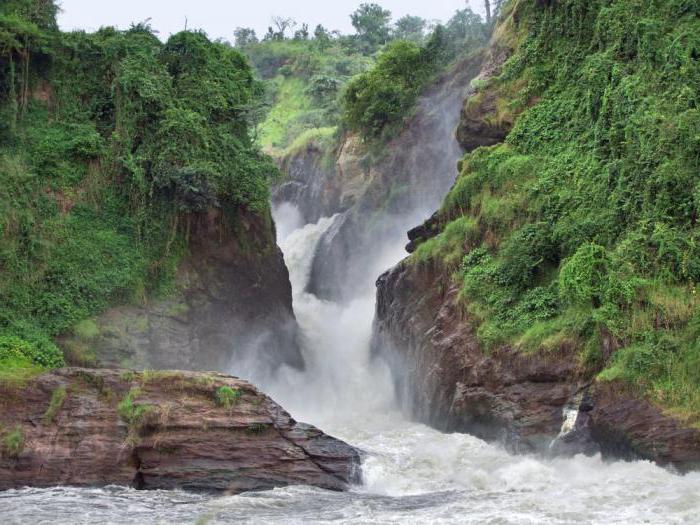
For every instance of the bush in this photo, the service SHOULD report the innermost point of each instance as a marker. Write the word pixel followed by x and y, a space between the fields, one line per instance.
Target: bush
pixel 13 443
pixel 226 397
pixel 584 277
pixel 130 412
pixel 12 347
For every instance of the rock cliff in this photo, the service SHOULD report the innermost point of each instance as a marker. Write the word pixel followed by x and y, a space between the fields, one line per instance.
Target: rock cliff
pixel 446 379
pixel 231 307
pixel 160 430
pixel 546 398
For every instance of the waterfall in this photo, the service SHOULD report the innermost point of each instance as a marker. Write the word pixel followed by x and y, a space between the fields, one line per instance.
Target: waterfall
pixel 339 383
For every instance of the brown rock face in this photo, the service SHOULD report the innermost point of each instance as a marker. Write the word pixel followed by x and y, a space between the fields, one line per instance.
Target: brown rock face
pixel 319 186
pixel 231 307
pixel 629 426
pixel 479 123
pixel 161 430
pixel 446 380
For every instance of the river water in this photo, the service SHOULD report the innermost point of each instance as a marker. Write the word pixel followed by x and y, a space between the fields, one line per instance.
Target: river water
pixel 412 473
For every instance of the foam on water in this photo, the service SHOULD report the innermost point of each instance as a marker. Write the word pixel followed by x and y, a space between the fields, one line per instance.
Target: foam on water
pixel 412 474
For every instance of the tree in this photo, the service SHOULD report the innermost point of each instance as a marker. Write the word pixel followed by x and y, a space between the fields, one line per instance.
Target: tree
pixel 322 36
pixel 465 25
pixel 487 8
pixel 270 35
pixel 282 23
pixel 410 28
pixel 371 22
pixel 40 12
pixel 303 33
pixel 245 36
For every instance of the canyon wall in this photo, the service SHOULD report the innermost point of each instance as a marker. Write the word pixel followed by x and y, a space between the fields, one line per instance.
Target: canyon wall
pixel 230 309
pixel 568 391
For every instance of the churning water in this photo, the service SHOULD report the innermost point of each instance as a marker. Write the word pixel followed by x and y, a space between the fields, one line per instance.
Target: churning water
pixel 412 473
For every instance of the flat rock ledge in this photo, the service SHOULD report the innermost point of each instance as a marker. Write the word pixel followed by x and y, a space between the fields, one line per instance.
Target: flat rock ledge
pixel 160 430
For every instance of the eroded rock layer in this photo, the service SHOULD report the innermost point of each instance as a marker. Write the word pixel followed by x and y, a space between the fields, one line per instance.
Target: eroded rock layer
pixel 161 430
pixel 446 379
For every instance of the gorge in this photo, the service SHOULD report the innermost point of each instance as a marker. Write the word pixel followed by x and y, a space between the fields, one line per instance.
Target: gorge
pixel 465 382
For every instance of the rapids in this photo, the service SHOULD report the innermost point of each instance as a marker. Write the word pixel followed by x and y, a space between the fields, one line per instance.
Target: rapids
pixel 412 473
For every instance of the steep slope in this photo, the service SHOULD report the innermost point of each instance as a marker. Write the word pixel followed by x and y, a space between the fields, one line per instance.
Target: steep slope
pixel 552 297
pixel 230 308
pixel 130 179
pixel 375 192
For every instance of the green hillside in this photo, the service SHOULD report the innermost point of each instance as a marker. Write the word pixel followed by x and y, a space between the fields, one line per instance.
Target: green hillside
pixel 581 229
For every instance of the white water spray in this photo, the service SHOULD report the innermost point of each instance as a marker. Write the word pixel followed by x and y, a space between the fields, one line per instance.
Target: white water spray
pixel 339 384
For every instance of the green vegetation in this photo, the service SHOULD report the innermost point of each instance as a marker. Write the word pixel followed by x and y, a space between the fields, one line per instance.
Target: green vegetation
pixel 15 348
pixel 86 330
pixel 128 410
pixel 13 443
pixel 303 80
pixel 58 397
pixel 21 360
pixel 376 102
pixel 367 82
pixel 226 397
pixel 134 415
pixel 586 218
pixel 111 143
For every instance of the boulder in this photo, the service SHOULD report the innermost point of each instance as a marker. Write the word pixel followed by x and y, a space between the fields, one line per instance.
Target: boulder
pixel 160 430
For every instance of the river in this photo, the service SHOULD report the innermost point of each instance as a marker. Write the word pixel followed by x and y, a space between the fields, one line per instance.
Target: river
pixel 412 473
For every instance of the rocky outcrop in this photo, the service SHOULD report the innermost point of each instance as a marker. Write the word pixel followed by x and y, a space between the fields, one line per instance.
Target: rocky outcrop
pixel 627 425
pixel 480 122
pixel 231 308
pixel 542 402
pixel 321 183
pixel 160 430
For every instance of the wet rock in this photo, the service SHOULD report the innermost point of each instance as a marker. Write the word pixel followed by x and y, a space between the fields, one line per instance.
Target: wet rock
pixel 425 231
pixel 480 123
pixel 445 379
pixel 231 307
pixel 173 435
pixel 322 183
pixel 629 426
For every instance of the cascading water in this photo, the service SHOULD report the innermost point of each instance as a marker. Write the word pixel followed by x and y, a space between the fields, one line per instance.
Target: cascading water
pixel 412 473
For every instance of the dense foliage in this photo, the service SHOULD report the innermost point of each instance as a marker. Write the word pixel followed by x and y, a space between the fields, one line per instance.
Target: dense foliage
pixel 367 82
pixel 303 80
pixel 376 102
pixel 581 229
pixel 109 143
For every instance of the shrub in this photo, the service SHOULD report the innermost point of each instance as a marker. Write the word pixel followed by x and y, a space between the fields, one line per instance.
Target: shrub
pixel 130 412
pixel 134 415
pixel 12 347
pixel 584 277
pixel 58 397
pixel 13 443
pixel 226 397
